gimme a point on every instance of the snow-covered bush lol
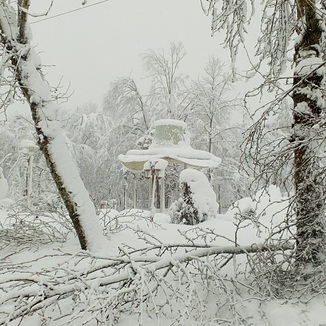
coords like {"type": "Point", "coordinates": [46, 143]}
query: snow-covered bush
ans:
{"type": "Point", "coordinates": [271, 214]}
{"type": "Point", "coordinates": [197, 202]}
{"type": "Point", "coordinates": [263, 203]}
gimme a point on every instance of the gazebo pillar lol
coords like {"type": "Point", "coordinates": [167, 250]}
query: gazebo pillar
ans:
{"type": "Point", "coordinates": [155, 171]}
{"type": "Point", "coordinates": [162, 207]}
{"type": "Point", "coordinates": [134, 191]}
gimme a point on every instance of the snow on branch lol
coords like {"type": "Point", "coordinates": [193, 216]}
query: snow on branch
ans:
{"type": "Point", "coordinates": [97, 282]}
{"type": "Point", "coordinates": [278, 24]}
{"type": "Point", "coordinates": [231, 17]}
{"type": "Point", "coordinates": [277, 28]}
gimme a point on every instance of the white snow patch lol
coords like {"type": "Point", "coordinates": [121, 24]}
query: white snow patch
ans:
{"type": "Point", "coordinates": [25, 144]}
{"type": "Point", "coordinates": [303, 108]}
{"type": "Point", "coordinates": [161, 218]}
{"type": "Point", "coordinates": [267, 204]}
{"type": "Point", "coordinates": [308, 65]}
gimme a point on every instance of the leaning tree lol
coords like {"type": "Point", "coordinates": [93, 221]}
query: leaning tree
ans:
{"type": "Point", "coordinates": [296, 28]}
{"type": "Point", "coordinates": [20, 61]}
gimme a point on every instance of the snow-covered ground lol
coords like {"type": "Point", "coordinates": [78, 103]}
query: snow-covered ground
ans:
{"type": "Point", "coordinates": [34, 267]}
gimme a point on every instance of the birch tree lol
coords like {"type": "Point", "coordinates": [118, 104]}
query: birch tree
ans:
{"type": "Point", "coordinates": [21, 61]}
{"type": "Point", "coordinates": [214, 105]}
{"type": "Point", "coordinates": [281, 22]}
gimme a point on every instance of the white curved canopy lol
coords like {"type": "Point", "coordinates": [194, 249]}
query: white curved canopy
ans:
{"type": "Point", "coordinates": [172, 143]}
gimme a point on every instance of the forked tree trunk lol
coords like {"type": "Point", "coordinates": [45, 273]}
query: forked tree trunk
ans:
{"type": "Point", "coordinates": [309, 74]}
{"type": "Point", "coordinates": [51, 139]}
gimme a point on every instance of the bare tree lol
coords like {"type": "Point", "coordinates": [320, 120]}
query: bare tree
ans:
{"type": "Point", "coordinates": [167, 80]}
{"type": "Point", "coordinates": [211, 104]}
{"type": "Point", "coordinates": [214, 105]}
{"type": "Point", "coordinates": [125, 105]}
{"type": "Point", "coordinates": [279, 23]}
{"type": "Point", "coordinates": [216, 122]}
{"type": "Point", "coordinates": [25, 66]}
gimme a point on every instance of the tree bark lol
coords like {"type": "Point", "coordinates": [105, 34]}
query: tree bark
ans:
{"type": "Point", "coordinates": [310, 206]}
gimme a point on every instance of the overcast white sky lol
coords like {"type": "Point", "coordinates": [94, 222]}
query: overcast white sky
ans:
{"type": "Point", "coordinates": [92, 47]}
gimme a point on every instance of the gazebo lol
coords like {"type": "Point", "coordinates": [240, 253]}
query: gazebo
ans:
{"type": "Point", "coordinates": [171, 144]}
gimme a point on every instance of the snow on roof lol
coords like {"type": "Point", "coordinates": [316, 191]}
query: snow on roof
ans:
{"type": "Point", "coordinates": [172, 145]}
{"type": "Point", "coordinates": [170, 122]}
{"type": "Point", "coordinates": [170, 133]}
{"type": "Point", "coordinates": [134, 159]}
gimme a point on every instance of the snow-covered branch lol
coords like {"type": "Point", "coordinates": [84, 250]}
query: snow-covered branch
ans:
{"type": "Point", "coordinates": [45, 13]}
{"type": "Point", "coordinates": [104, 279]}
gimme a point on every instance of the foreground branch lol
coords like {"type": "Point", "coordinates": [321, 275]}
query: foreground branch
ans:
{"type": "Point", "coordinates": [113, 280]}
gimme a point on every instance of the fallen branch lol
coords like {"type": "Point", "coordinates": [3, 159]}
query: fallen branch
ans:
{"type": "Point", "coordinates": [117, 279]}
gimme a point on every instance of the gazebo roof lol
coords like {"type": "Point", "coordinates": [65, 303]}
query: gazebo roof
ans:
{"type": "Point", "coordinates": [172, 143]}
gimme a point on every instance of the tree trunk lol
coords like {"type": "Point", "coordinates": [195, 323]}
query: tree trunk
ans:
{"type": "Point", "coordinates": [51, 139]}
{"type": "Point", "coordinates": [308, 79]}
